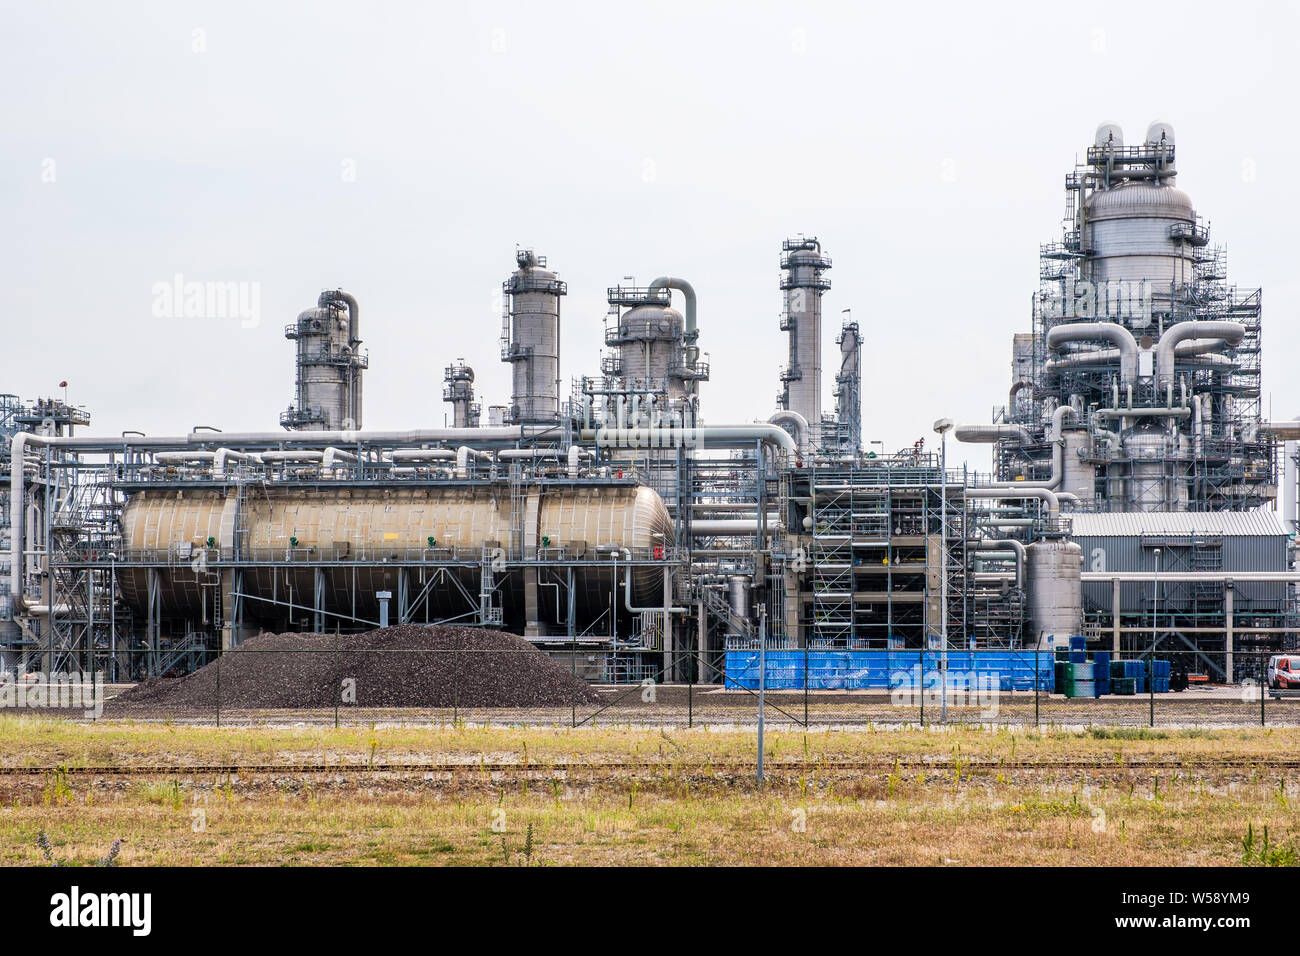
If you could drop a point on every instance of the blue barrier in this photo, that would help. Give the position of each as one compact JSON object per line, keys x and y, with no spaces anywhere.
{"x":843,"y":669}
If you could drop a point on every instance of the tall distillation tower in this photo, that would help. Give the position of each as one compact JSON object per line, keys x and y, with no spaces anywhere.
{"x":803,"y":280}
{"x":1139,"y":387}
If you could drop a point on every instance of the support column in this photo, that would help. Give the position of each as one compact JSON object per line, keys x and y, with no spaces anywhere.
{"x":1114,"y":615}
{"x":1228,"y":625}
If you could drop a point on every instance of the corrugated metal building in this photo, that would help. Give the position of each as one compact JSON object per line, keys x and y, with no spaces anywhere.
{"x":1212,"y":543}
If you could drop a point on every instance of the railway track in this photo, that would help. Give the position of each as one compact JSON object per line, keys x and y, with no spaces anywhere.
{"x":610,"y":768}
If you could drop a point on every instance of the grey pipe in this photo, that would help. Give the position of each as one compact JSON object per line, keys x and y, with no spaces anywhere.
{"x":1058,"y":456}
{"x":991,"y":434}
{"x":691,"y":331}
{"x":354,"y":312}
{"x":1157,"y":412}
{"x":1111,"y":332}
{"x":1022,"y":490}
{"x":1287,"y":431}
{"x":724,"y":436}
{"x":627,"y":591}
{"x":1230,"y":333}
{"x":800,"y":424}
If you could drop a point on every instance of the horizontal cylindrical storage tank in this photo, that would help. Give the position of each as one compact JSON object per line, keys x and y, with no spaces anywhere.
{"x":285,"y":538}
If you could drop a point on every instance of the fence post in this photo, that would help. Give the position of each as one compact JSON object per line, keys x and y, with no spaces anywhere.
{"x":1151,"y":686}
{"x":573,"y":689}
{"x":219,"y":656}
{"x":920,"y":682}
{"x":338,"y":678}
{"x":805,"y":682}
{"x":455,"y":679}
{"x":690,"y":690}
{"x":1263,"y":686}
{"x":1037,"y":720}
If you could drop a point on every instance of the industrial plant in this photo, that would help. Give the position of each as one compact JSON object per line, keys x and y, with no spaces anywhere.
{"x":609,"y":520}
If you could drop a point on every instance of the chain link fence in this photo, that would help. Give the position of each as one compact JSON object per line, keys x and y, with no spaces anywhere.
{"x":326,"y":680}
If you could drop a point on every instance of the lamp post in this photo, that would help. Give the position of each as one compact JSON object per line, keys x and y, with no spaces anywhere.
{"x":942,"y":426}
{"x":112,"y":615}
{"x":1151,"y":658}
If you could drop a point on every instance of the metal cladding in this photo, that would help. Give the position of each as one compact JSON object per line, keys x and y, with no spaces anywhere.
{"x":803,"y":281}
{"x":459,"y":393}
{"x":329,"y":364}
{"x":293,"y":536}
{"x":1053,"y":569}
{"x":530,"y":339}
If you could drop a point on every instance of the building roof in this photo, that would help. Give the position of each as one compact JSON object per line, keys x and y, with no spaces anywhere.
{"x":1257,"y":523}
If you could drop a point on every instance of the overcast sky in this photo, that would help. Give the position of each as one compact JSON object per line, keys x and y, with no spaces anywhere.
{"x":401,"y":151}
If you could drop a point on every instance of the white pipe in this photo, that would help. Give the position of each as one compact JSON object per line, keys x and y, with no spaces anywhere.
{"x":333,"y":456}
{"x":223,"y":455}
{"x":991,"y":434}
{"x":503,"y":433}
{"x":706,"y":527}
{"x":1058,"y":456}
{"x":1230,"y":333}
{"x":689,"y":327}
{"x":1190,"y":577}
{"x":627,"y":590}
{"x":273,"y":457}
{"x":424,"y":454}
{"x":726,"y":436}
{"x":798,"y":422}
{"x":1023,"y":490}
{"x":1117,"y":335}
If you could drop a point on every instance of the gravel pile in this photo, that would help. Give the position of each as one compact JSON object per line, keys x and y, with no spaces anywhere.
{"x":403,"y":666}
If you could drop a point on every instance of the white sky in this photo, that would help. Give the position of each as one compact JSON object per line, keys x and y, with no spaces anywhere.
{"x":925,"y":145}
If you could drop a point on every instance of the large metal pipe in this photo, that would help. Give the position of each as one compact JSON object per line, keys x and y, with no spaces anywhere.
{"x":354,"y":312}
{"x":691,"y":331}
{"x":1286,"y":431}
{"x":1111,"y":332}
{"x":798,"y":422}
{"x":991,"y":434}
{"x":716,"y":436}
{"x":488,"y":435}
{"x":1054,"y":479}
{"x":1189,"y":577}
{"x":1022,"y":490}
{"x":1228,"y":332}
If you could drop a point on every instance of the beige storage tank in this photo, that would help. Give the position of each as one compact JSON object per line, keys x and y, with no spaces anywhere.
{"x":285,"y":535}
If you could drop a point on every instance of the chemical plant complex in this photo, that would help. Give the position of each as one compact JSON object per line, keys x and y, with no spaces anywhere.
{"x":612,"y":523}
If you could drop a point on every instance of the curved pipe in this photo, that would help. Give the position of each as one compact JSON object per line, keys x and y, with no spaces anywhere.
{"x":1023,"y":490}
{"x":994,"y":550}
{"x":1230,"y":333}
{"x":798,"y":422}
{"x":1015,"y":390}
{"x":991,"y":434}
{"x":354,"y":312}
{"x":627,"y":590}
{"x":691,"y":331}
{"x":1058,"y":457}
{"x":1117,"y":335}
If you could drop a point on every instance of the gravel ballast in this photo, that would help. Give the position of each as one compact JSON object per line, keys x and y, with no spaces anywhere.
{"x":402,"y":666}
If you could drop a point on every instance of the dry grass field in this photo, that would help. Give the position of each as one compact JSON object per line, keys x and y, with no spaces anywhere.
{"x":308,"y":796}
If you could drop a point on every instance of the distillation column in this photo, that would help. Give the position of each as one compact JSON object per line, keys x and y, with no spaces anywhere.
{"x":459,"y":393}
{"x":329,"y":364}
{"x":803,"y":282}
{"x":530,"y":339}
